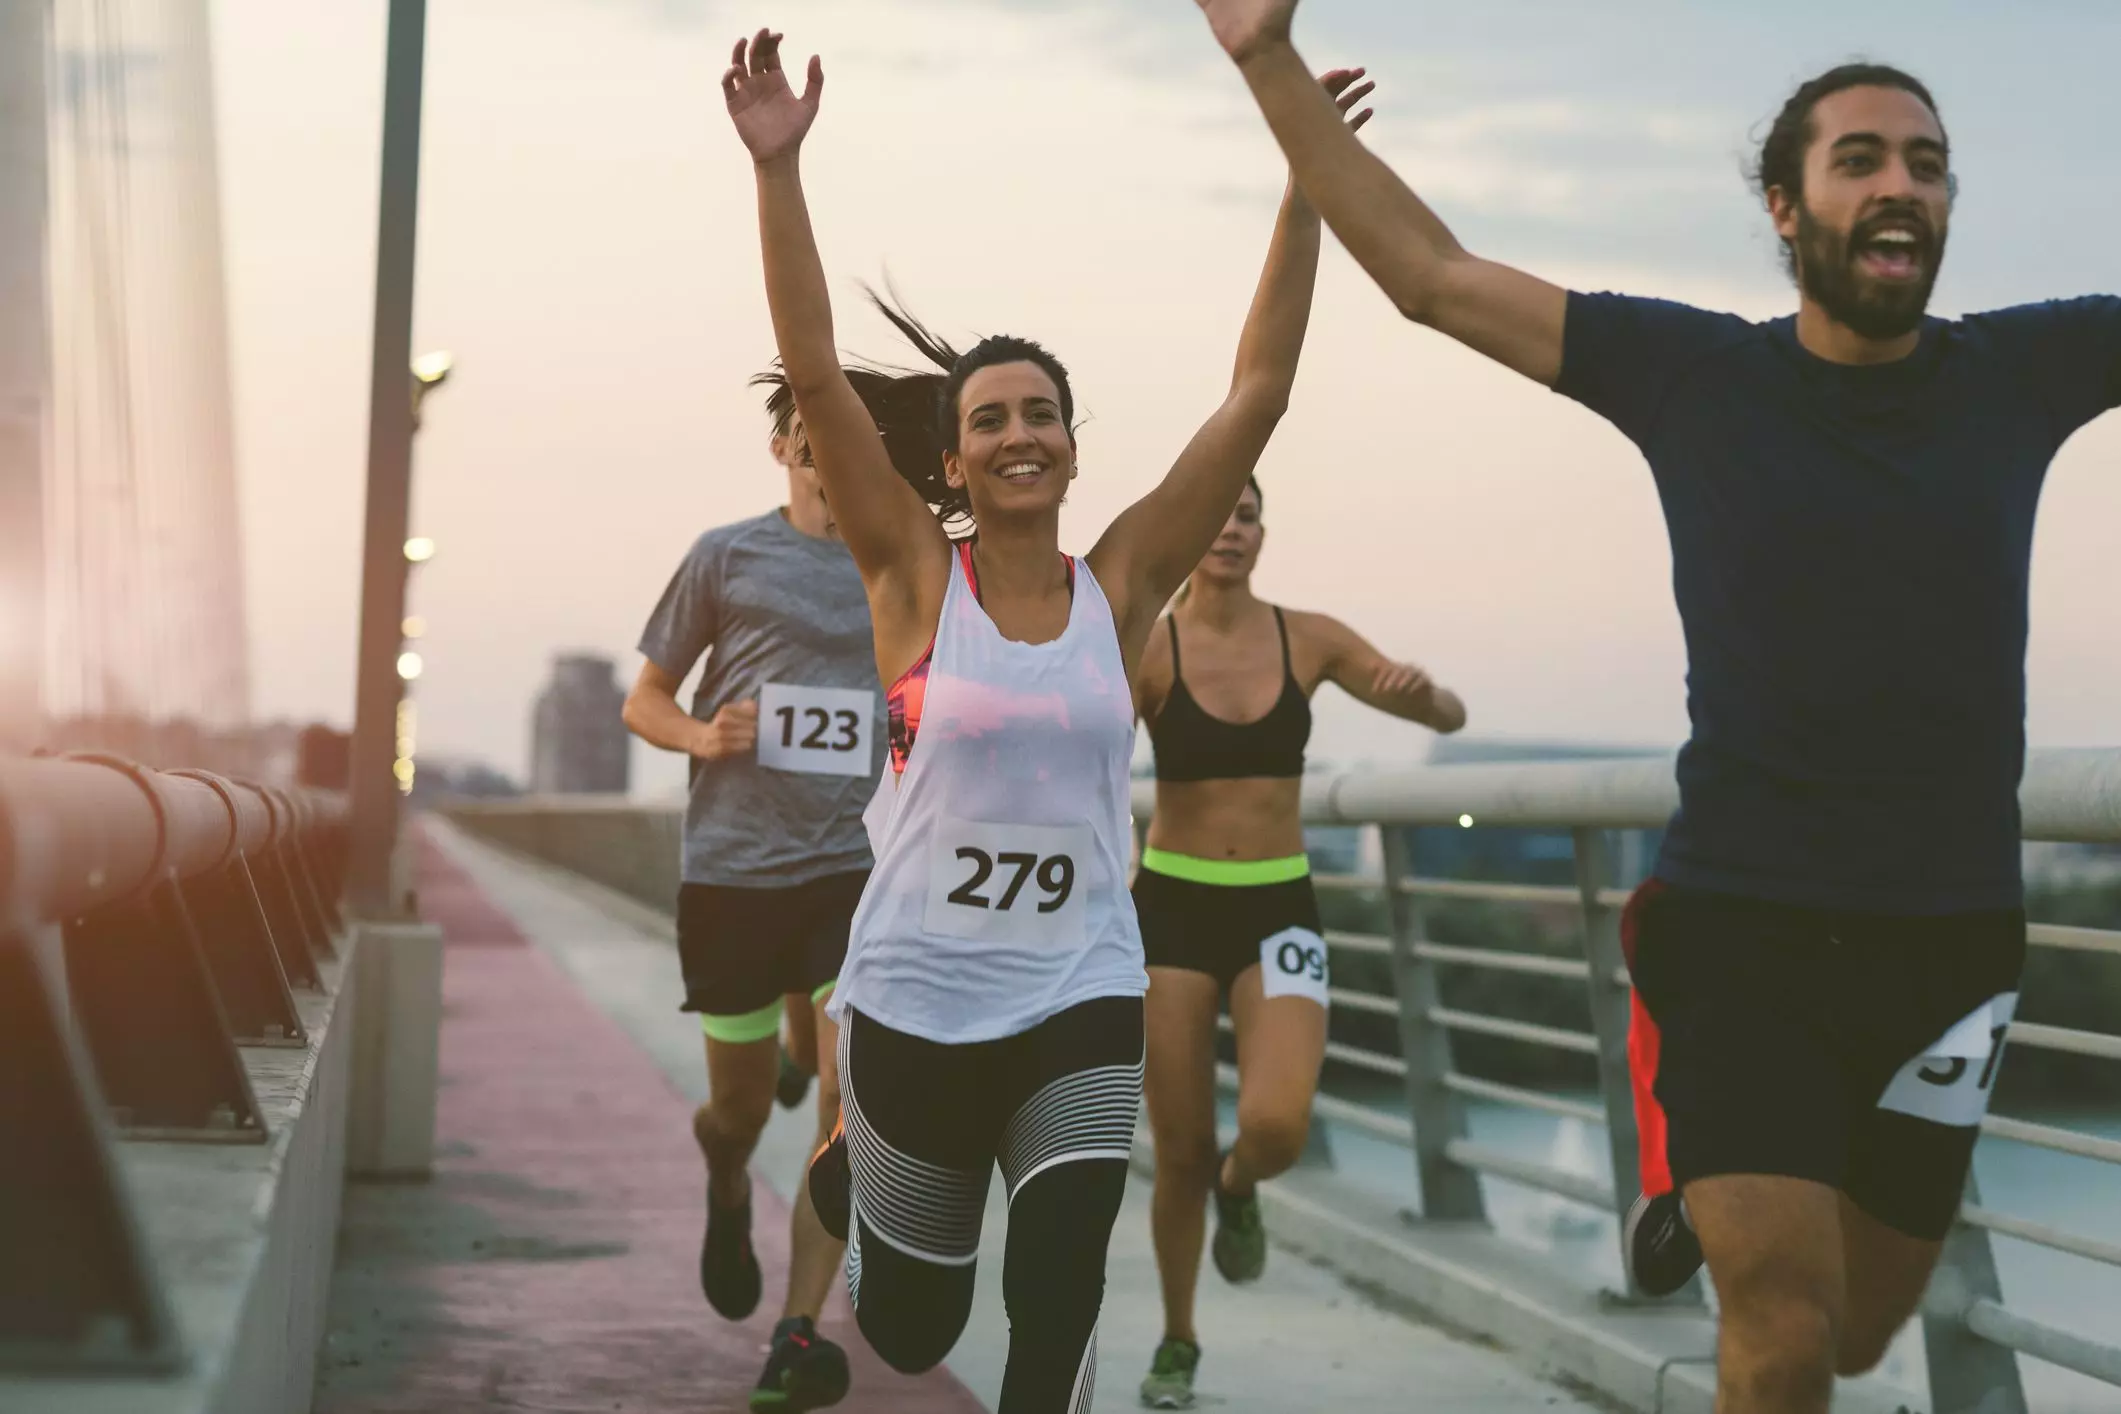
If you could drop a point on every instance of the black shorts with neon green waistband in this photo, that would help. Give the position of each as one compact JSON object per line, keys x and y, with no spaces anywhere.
{"x":1855,"y":1050}
{"x":1215,"y":921}
{"x":744,"y":949}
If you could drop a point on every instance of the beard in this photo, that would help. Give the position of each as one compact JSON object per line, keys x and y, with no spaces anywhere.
{"x":1827,"y":271}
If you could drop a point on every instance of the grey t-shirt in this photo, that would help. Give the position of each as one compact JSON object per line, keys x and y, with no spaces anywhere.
{"x":782,"y":613}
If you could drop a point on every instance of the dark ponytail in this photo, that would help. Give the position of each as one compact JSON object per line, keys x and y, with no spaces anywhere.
{"x":916,"y":410}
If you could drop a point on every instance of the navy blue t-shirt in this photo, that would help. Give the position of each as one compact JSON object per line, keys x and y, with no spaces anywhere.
{"x":1850,"y":553}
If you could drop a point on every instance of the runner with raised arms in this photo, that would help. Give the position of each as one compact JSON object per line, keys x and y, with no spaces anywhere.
{"x":1224,"y":896}
{"x":991,"y":999}
{"x":1827,"y":958}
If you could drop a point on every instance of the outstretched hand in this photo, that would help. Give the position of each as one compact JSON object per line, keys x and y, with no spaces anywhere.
{"x":1244,"y":27}
{"x":769,"y":117}
{"x":1341,"y":83}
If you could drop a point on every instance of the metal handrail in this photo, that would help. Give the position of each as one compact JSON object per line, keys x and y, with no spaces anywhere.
{"x":2065,"y":796}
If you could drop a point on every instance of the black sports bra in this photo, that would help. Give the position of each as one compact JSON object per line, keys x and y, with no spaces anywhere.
{"x":1193,"y":746}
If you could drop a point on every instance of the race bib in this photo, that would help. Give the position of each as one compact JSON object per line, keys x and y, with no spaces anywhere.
{"x":1292,"y":963}
{"x":818,"y":731}
{"x":1009,"y":883}
{"x":1950,"y":1082}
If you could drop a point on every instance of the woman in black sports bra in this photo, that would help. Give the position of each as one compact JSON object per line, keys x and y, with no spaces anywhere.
{"x":1225,"y":902}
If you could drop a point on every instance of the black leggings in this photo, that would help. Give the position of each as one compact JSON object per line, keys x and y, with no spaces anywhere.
{"x":926,"y":1124}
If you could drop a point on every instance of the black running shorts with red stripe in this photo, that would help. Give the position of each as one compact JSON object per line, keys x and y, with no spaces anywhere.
{"x":1855,"y":1050}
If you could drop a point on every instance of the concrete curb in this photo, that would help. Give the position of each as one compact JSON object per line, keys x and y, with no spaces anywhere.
{"x":244,"y":1236}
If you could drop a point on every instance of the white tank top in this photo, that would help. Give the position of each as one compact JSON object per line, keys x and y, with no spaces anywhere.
{"x":999,"y":896}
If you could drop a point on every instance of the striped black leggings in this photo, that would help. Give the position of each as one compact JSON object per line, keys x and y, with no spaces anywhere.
{"x":926,"y":1124}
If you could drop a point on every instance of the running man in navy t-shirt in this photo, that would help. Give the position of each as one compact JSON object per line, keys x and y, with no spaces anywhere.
{"x":1828,"y":955}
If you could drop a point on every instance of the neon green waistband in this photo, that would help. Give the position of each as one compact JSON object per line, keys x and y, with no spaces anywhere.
{"x":1227,"y":871}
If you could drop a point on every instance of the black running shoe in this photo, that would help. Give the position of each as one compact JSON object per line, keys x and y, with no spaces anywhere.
{"x":729,"y":1269}
{"x":793,"y":1085}
{"x":1662,"y":1251}
{"x":831,"y":1184}
{"x":1240,"y":1245}
{"x":804,"y":1371}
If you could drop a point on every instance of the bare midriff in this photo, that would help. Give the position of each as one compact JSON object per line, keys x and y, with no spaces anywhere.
{"x":1256,"y":818}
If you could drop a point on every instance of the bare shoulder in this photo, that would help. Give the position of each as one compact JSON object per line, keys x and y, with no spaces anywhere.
{"x":1153,"y":673}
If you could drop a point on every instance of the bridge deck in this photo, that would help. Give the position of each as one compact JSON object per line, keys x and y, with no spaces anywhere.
{"x":550,"y":1264}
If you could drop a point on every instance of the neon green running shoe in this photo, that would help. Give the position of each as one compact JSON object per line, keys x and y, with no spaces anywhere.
{"x":1169,"y":1383}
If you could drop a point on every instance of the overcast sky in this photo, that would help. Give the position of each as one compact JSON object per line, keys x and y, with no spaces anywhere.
{"x":1089,"y":173}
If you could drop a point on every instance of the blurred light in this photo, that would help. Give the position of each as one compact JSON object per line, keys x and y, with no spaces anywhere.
{"x":432,"y":368}
{"x":420,"y":549}
{"x":409,"y":666}
{"x":1465,"y":822}
{"x":413,"y":627}
{"x":402,"y":768}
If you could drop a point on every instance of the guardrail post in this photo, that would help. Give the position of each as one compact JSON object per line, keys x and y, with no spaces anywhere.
{"x":247,"y":971}
{"x":152,"y":1019}
{"x":1448,"y":1191}
{"x":77,"y":1287}
{"x":290,"y":930}
{"x":1967,"y":1375}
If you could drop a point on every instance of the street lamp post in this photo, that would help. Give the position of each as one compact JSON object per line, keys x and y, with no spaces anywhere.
{"x":373,"y":787}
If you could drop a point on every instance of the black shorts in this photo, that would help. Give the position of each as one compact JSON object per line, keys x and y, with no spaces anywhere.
{"x":743,"y":949}
{"x":1855,"y":1050}
{"x":1222,"y":929}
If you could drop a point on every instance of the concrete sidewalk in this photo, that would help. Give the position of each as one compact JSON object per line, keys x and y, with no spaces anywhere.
{"x":551,"y":1264}
{"x":1300,"y":1339}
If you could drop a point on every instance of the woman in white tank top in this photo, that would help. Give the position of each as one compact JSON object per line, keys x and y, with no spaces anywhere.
{"x":990,"y":1004}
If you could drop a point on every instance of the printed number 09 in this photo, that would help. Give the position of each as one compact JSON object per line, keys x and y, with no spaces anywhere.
{"x":1295,"y":959}
{"x":1055,"y":874}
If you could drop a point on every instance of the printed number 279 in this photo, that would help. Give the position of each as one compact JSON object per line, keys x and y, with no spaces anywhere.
{"x":1055,"y":874}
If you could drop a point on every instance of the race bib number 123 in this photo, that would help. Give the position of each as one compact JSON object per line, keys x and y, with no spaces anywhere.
{"x":818,"y":731}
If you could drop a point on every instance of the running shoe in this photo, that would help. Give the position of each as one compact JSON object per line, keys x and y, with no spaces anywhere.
{"x":831,"y":1184}
{"x":729,"y":1269}
{"x":794,"y":1083}
{"x":804,"y":1371}
{"x":1662,"y":1251}
{"x":1240,"y":1247}
{"x":1169,"y":1383}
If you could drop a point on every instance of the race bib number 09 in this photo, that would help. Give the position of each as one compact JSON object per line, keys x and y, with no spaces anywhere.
{"x":1009,"y":883}
{"x":1292,"y":963}
{"x":817,"y":731}
{"x":1950,"y":1082}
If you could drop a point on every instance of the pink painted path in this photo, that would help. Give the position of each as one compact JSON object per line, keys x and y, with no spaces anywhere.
{"x":551,"y":1264}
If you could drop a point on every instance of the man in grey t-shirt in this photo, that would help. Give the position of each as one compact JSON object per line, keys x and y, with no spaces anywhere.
{"x":786,"y":740}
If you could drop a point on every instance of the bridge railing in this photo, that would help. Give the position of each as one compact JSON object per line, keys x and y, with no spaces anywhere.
{"x":151,"y":922}
{"x":1972,"y":1335}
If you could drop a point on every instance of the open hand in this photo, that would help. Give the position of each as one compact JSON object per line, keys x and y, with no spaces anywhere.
{"x":769,"y":117}
{"x":1401,"y":680}
{"x":733,"y":731}
{"x":1244,"y":27}
{"x":1347,"y":92}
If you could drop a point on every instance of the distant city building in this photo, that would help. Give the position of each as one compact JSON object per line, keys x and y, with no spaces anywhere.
{"x":579,"y":745}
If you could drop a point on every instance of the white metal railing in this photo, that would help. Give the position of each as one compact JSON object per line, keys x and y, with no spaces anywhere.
{"x":1973,"y":1336}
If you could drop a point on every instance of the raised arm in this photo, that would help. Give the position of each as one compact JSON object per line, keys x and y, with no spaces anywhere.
{"x":1401,"y":689}
{"x":1512,"y":317}
{"x":1152,"y":546}
{"x":890,"y":530}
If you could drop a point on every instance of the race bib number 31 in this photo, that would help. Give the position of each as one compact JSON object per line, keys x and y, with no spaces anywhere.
{"x":1009,"y":883}
{"x":1292,"y":963}
{"x":1950,"y":1082}
{"x":818,"y":731}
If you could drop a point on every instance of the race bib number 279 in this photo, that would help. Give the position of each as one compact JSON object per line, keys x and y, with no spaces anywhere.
{"x":1009,"y":883}
{"x":818,"y":731}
